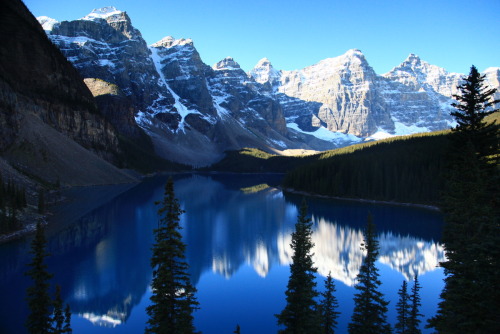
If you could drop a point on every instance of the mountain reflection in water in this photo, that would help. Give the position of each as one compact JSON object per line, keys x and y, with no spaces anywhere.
{"x":102,"y":261}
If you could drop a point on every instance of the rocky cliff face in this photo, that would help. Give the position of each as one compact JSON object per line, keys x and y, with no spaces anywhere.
{"x":418,"y":94}
{"x":344,"y":94}
{"x":45,"y":107}
{"x":346,"y":88}
{"x":194,"y":112}
{"x":105,"y":45}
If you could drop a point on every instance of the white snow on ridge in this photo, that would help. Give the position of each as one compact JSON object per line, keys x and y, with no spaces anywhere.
{"x":102,"y":13}
{"x":169,"y":41}
{"x":400,"y":130}
{"x":325,"y":134}
{"x":106,"y":62}
{"x":46,"y":22}
{"x":181,"y":108}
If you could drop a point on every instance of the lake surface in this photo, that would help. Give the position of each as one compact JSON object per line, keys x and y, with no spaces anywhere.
{"x":238,"y":232}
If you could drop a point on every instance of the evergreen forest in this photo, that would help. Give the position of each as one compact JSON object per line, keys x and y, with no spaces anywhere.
{"x":406,"y":169}
{"x":12,"y":200}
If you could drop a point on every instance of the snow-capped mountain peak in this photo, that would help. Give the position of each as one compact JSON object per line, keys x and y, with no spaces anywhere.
{"x":354,"y":53}
{"x":493,"y":76}
{"x":179,"y":99}
{"x":102,"y":13}
{"x":264,"y":72}
{"x":47,"y":23}
{"x":169,"y":41}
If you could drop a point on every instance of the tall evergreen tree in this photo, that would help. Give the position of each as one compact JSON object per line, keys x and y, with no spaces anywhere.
{"x":415,"y":315}
{"x":471,"y":234}
{"x":39,"y":302}
{"x":403,"y":309}
{"x":67,"y":320}
{"x":474,"y":103}
{"x":173,"y":299}
{"x":300,"y":312}
{"x":58,"y":314}
{"x":328,"y":307}
{"x":370,"y":307}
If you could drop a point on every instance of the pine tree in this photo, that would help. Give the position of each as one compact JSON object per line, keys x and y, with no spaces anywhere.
{"x":403,"y":309}
{"x":39,"y":302}
{"x":300,"y":312}
{"x":67,"y":320}
{"x":173,"y":299}
{"x":58,"y":314}
{"x":370,"y":308}
{"x":328,"y":307}
{"x":414,"y":319}
{"x":474,"y":103}
{"x":471,"y":234}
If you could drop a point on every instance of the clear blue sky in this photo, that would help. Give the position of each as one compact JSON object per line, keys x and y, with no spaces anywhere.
{"x":293,"y":34}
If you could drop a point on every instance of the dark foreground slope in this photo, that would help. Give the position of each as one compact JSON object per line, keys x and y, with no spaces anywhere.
{"x":50,"y":126}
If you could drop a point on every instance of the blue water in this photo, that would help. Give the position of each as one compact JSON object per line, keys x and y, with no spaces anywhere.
{"x":238,"y":250}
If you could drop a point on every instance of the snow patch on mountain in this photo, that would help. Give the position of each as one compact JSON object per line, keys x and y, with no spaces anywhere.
{"x":340,"y":139}
{"x":264,"y":72}
{"x":400,"y":130}
{"x":47,"y":23}
{"x":169,"y":41}
{"x":179,"y":106}
{"x":102,"y":13}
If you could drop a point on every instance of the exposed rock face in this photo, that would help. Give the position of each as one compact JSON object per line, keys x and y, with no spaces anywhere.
{"x":41,"y":92}
{"x":344,"y":94}
{"x":105,"y":45}
{"x":417,"y":93}
{"x":194,"y":112}
{"x":115,"y":106}
{"x":346,"y":87}
{"x":493,"y":78}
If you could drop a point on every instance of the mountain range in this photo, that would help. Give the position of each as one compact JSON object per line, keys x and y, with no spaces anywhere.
{"x":80,"y":98}
{"x":194,"y":112}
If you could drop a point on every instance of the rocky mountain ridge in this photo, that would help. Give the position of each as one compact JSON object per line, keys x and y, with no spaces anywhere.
{"x":194,"y":112}
{"x":51,"y":128}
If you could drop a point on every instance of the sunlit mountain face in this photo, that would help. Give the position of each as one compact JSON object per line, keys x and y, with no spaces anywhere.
{"x":237,"y":228}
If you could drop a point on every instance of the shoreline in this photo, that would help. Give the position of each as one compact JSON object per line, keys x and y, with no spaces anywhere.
{"x":362,"y":200}
{"x":70,"y":204}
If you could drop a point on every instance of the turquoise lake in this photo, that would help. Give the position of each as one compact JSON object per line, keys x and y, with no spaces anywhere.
{"x":238,"y":231}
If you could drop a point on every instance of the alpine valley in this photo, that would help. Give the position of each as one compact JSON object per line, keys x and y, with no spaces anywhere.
{"x":194,"y":112}
{"x":163,"y":99}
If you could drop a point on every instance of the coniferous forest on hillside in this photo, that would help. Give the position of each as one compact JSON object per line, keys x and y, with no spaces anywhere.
{"x":405,"y":169}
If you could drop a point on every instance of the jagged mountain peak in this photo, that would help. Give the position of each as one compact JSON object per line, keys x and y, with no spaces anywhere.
{"x":493,"y":77}
{"x":264,"y":72}
{"x":263,"y":62}
{"x":412,"y":58}
{"x":103,"y":13}
{"x":46,"y":22}
{"x":492,"y":69}
{"x":169,"y":41}
{"x":352,"y":59}
{"x":354,"y":53}
{"x":227,"y":63}
{"x":117,"y":19}
{"x":414,"y":64}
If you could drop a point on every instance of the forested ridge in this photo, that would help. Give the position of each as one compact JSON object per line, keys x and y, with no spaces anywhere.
{"x":402,"y":169}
